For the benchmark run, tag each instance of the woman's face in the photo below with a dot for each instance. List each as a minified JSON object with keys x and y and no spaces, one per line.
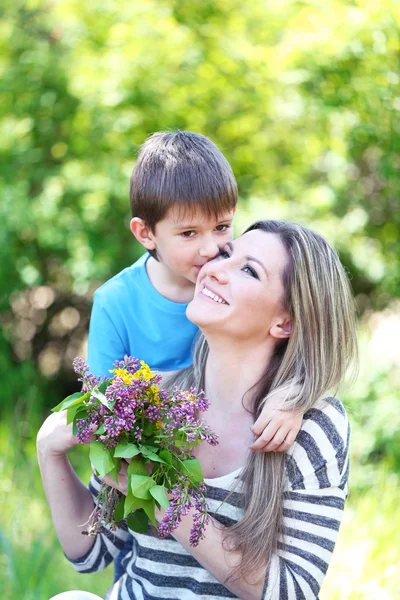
{"x":240,"y":292}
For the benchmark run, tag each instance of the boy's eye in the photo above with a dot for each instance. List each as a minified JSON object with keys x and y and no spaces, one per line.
{"x":248,"y":269}
{"x":222,"y":228}
{"x":188,"y":234}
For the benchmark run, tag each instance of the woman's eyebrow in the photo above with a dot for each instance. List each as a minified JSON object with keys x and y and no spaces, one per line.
{"x":254,"y":259}
{"x":250,"y":258}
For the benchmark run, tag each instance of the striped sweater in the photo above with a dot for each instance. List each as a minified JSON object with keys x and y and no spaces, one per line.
{"x":313,"y":500}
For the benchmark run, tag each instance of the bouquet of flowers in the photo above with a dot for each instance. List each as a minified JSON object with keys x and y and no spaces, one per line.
{"x":129,"y":416}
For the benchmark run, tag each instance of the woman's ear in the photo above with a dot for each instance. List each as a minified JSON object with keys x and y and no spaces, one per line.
{"x":142,"y":233}
{"x":281,"y":328}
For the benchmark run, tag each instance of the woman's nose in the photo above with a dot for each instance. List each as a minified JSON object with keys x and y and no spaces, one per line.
{"x":217,"y":271}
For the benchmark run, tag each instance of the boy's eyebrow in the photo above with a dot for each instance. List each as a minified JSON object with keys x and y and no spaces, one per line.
{"x":194,"y":225}
{"x":251,"y":258}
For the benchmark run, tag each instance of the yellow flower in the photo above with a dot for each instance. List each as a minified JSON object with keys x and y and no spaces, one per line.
{"x":123,"y":374}
{"x":158,"y":424}
{"x":156,"y":398}
{"x":144,"y":372}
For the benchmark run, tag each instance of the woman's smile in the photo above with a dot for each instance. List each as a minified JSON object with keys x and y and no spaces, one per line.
{"x":214,"y":297}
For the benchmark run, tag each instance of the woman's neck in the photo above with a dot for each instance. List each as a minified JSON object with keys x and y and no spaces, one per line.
{"x":231,"y":371}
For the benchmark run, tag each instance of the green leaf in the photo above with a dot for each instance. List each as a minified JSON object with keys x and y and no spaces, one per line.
{"x":101,"y":458}
{"x":141,"y":485}
{"x":155,"y":458}
{"x":114,"y":474}
{"x":179,"y":440}
{"x":103,"y":386}
{"x":119,"y":510}
{"x":193,"y":469}
{"x":116,"y":469}
{"x":166,"y":456}
{"x":101,"y":430}
{"x":149,"y":510}
{"x":149,"y":429}
{"x":126,"y":450}
{"x":72,"y":400}
{"x":145,"y":448}
{"x":100,"y":396}
{"x":158,"y":493}
{"x":138,"y":521}
{"x":133,"y":503}
{"x":76,"y":411}
{"x":137,"y":467}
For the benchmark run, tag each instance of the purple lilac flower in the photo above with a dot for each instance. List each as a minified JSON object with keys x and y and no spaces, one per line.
{"x":89,"y":380}
{"x":179,"y":506}
{"x":129,"y":363}
{"x":185,"y":497}
{"x":153,"y":413}
{"x":83,"y":430}
{"x":79,"y":365}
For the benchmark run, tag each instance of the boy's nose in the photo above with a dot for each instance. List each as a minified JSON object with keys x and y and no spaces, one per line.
{"x":209,"y":249}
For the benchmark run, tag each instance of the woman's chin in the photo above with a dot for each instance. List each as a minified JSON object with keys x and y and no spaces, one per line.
{"x":201,"y":314}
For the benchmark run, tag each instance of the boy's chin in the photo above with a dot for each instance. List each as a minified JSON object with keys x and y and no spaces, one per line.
{"x":192,"y":277}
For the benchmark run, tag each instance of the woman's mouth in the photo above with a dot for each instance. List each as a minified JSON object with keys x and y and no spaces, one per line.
{"x":213,"y":296}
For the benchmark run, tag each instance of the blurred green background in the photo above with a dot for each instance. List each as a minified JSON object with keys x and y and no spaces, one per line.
{"x":303,"y":97}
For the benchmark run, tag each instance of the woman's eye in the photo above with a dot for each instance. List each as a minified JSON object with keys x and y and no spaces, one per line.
{"x":223,"y":254}
{"x":188,"y":234}
{"x":248,"y":269}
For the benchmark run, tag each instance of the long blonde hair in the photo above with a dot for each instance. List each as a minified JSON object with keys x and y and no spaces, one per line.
{"x":310,"y":364}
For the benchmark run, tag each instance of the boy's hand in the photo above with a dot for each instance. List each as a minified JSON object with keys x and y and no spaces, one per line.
{"x":276,"y":429}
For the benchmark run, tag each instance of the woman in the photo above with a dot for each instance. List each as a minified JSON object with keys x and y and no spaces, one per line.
{"x":276,"y":311}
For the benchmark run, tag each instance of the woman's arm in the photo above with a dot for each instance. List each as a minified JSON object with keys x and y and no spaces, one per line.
{"x":70,"y":501}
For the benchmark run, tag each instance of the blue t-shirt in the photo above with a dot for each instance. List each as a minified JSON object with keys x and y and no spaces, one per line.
{"x":130,"y":317}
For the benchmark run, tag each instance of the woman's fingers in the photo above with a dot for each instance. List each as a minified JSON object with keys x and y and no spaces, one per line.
{"x":122,"y":484}
{"x":55,"y":435}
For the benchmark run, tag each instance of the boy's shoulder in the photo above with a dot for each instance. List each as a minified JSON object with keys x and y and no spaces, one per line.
{"x":123,"y":282}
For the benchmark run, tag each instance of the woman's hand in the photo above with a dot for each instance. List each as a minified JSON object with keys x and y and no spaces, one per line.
{"x":55,"y":437}
{"x":122,"y":484}
{"x":123,"y":479}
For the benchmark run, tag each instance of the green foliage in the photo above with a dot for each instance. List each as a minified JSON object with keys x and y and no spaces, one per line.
{"x":303,"y":98}
{"x":101,"y":458}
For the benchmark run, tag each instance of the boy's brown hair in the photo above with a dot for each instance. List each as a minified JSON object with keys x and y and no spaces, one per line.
{"x":183,"y":169}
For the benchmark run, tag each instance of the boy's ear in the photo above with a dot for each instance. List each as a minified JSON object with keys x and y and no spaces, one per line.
{"x":281,"y":328}
{"x":142,"y":233}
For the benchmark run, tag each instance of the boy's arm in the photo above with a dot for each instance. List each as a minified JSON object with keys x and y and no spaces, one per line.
{"x":105,"y":343}
{"x":276,"y":429}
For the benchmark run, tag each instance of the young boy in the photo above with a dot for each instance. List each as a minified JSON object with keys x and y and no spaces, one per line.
{"x":183,"y":198}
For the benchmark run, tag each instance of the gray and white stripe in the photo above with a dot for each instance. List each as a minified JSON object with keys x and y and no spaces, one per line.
{"x":313,"y":502}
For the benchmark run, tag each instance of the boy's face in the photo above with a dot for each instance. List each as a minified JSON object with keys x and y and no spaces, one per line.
{"x":185,"y":241}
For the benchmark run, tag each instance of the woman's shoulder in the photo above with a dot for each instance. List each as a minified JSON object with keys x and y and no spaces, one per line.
{"x":328,"y":420}
{"x":320,"y":452}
